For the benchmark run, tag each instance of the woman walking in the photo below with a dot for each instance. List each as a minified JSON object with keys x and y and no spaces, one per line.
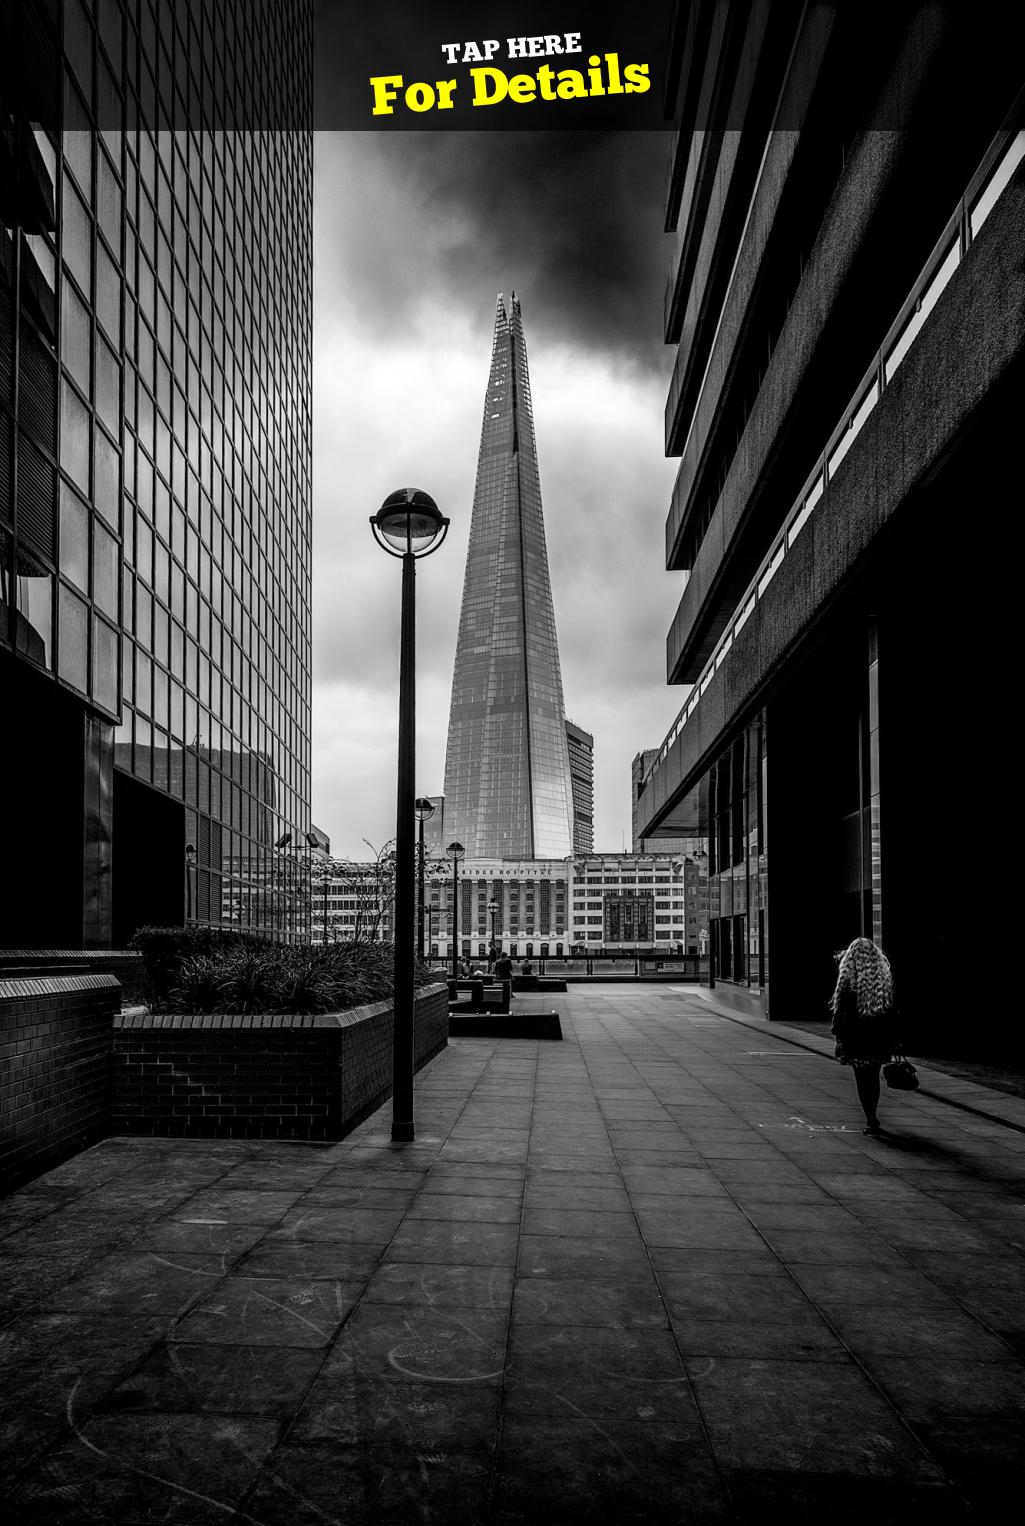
{"x":865,"y":1021}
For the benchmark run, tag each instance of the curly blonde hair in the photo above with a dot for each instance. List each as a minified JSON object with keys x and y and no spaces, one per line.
{"x":865,"y":973}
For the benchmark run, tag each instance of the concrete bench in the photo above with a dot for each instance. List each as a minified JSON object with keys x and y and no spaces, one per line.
{"x":482,"y":995}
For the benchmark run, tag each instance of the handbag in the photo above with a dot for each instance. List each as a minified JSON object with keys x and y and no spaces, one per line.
{"x":900,"y":1074}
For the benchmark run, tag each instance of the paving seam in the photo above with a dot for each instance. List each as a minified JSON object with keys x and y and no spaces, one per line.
{"x":712,"y":1450}
{"x":512,"y":1292}
{"x":902,"y":1421}
{"x":286,"y":1426}
{"x":923,"y":1091}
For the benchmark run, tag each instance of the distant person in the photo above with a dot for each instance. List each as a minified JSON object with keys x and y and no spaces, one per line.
{"x":526,"y":968}
{"x":865,"y":1021}
{"x":503,"y":967}
{"x":464,"y":969}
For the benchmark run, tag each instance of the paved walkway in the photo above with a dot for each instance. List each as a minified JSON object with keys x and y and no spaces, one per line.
{"x":654,"y":1273}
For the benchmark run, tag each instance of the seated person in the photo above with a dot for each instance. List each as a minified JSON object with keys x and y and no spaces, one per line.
{"x":526,"y":968}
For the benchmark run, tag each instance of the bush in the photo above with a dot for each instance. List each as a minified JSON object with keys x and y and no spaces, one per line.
{"x":212,"y":970}
{"x":165,"y":951}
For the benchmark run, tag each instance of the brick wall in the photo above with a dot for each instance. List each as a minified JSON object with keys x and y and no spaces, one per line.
{"x":124,"y":963}
{"x":262,"y":1076}
{"x":55,"y":1073}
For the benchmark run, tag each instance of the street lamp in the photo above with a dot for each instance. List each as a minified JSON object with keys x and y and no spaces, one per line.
{"x":424,"y":812}
{"x":493,"y":909}
{"x":455,"y":852}
{"x":190,"y":864}
{"x":408,"y":525}
{"x":315,"y":844}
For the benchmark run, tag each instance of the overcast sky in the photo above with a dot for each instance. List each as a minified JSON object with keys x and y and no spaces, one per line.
{"x":415,"y":235}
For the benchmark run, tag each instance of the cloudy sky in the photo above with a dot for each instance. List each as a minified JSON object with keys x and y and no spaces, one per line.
{"x":415,"y":235}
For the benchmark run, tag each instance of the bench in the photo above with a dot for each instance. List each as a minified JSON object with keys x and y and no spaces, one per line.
{"x":481,"y":995}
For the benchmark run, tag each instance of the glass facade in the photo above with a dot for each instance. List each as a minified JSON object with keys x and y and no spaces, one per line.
{"x":155,"y":429}
{"x":508,"y":792}
{"x":581,"y":767}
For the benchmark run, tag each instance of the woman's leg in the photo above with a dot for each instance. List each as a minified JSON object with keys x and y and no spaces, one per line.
{"x":866,"y":1078}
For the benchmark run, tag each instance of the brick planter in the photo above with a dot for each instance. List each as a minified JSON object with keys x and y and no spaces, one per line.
{"x":54,"y":1069}
{"x":262,"y":1076}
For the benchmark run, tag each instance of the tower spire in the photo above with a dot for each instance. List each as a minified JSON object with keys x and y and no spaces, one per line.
{"x":508,"y":791}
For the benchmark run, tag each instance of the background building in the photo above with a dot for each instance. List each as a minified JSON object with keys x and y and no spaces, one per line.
{"x":581,"y":768}
{"x":508,"y":792}
{"x":155,"y":516}
{"x":848,"y":298}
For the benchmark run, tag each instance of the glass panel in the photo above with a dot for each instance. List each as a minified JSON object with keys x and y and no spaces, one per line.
{"x":73,"y":549}
{"x":34,"y":617}
{"x":73,"y":655}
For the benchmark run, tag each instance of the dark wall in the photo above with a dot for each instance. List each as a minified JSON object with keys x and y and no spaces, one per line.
{"x":948,"y":680}
{"x":815,"y":730}
{"x":42,"y":783}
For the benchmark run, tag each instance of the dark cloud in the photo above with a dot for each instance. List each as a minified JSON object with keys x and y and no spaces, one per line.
{"x":565,"y":219}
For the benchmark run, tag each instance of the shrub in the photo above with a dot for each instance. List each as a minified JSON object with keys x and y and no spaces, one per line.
{"x":210,"y":970}
{"x":165,"y":950}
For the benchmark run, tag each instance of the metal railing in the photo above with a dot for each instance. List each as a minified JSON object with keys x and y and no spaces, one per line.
{"x":979,"y":199}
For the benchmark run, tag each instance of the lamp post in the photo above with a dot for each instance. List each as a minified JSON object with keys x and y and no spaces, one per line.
{"x":314,"y":842}
{"x":190,"y":864}
{"x":424,"y":812}
{"x":493,"y":910}
{"x":455,"y":851}
{"x":408,"y":525}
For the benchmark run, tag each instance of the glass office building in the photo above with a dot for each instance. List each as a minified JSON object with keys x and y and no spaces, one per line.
{"x":155,"y":452}
{"x":508,"y":791}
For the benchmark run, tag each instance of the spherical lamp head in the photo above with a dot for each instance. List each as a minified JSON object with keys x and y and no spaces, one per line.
{"x":409,"y":522}
{"x":424,"y":808}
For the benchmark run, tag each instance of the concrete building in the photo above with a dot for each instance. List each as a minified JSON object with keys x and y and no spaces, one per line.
{"x":155,"y":495}
{"x":627,"y":901}
{"x":581,"y":768}
{"x":847,"y":295}
{"x":550,"y":908}
{"x":508,"y":791}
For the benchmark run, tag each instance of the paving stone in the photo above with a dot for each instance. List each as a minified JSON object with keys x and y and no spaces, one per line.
{"x":355,"y":1409}
{"x":309,"y":1260}
{"x":600,"y":1371}
{"x":189,"y":1470}
{"x":564,"y":1256}
{"x":263,"y":1312}
{"x":418,"y":1344}
{"x":807,"y":1416}
{"x":311,"y":1485}
{"x":938,"y":1388}
{"x":353,"y":1226}
{"x":223,"y":1205}
{"x":473,"y":1207}
{"x":140,"y":1283}
{"x":251,"y":1379}
{"x":568,"y":1301}
{"x":432,"y":1286}
{"x":581,"y":1470}
{"x":761,"y":1495}
{"x":463,"y":1244}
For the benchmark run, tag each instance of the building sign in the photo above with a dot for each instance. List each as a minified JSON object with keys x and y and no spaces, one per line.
{"x":629,"y":916}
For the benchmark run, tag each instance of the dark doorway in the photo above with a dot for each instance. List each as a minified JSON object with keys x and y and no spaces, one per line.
{"x":149,"y":858}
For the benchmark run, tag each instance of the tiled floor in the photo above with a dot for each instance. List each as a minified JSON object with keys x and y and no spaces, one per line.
{"x":653,"y":1273}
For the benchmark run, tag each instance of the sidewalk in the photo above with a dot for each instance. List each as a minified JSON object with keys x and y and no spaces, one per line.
{"x":653,"y":1273}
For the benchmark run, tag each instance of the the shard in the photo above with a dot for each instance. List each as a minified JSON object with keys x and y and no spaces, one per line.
{"x":508,"y":789}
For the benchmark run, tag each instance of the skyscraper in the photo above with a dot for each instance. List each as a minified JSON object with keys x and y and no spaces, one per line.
{"x":581,"y":767}
{"x":508,"y":791}
{"x":155,"y":498}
